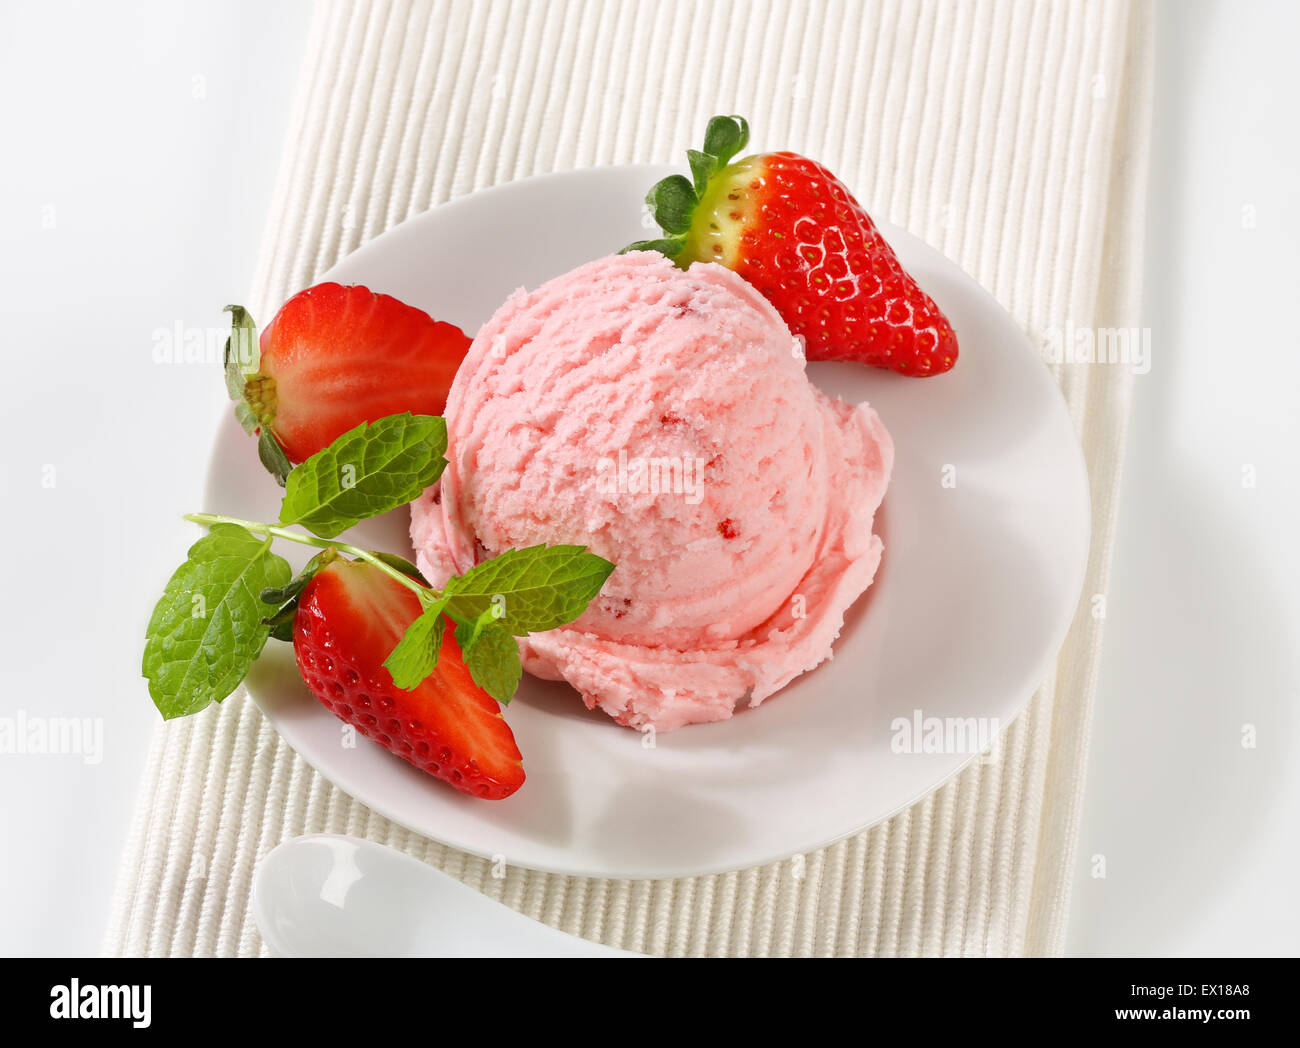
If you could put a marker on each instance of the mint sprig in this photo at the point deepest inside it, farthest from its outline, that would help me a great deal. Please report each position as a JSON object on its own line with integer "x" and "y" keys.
{"x": 368, "y": 471}
{"x": 207, "y": 629}
{"x": 536, "y": 589}
{"x": 232, "y": 593}
{"x": 520, "y": 592}
{"x": 543, "y": 584}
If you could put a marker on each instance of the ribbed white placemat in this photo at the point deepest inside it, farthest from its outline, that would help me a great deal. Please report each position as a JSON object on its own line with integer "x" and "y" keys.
{"x": 1010, "y": 135}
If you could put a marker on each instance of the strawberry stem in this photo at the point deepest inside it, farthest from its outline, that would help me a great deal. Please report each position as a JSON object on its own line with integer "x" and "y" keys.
{"x": 427, "y": 596}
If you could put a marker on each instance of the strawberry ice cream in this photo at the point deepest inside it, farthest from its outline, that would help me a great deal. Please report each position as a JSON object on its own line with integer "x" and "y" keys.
{"x": 663, "y": 419}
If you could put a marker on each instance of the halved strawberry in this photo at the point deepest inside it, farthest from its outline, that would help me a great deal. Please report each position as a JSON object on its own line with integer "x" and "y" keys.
{"x": 335, "y": 356}
{"x": 350, "y": 617}
{"x": 792, "y": 229}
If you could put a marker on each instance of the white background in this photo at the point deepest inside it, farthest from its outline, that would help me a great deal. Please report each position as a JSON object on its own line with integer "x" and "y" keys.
{"x": 141, "y": 145}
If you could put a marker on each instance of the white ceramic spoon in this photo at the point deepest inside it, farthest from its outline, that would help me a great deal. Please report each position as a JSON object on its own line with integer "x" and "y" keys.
{"x": 330, "y": 896}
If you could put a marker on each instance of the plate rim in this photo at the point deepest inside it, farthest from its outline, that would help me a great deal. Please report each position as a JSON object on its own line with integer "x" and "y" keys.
{"x": 1059, "y": 632}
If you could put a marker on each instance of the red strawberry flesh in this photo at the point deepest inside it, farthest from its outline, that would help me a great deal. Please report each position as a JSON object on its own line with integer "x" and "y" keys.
{"x": 349, "y": 619}
{"x": 336, "y": 356}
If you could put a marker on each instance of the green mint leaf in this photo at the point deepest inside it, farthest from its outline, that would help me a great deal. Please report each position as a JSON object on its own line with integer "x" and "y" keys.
{"x": 672, "y": 202}
{"x": 725, "y": 137}
{"x": 273, "y": 457}
{"x": 242, "y": 354}
{"x": 207, "y": 628}
{"x": 369, "y": 470}
{"x": 416, "y": 654}
{"x": 491, "y": 655}
{"x": 537, "y": 589}
{"x": 468, "y": 631}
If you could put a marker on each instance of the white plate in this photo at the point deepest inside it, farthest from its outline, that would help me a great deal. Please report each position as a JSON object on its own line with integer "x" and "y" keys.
{"x": 977, "y": 588}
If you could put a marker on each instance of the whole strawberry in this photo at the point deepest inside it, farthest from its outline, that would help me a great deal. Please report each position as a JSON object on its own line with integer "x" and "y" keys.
{"x": 792, "y": 229}
{"x": 335, "y": 356}
{"x": 350, "y": 617}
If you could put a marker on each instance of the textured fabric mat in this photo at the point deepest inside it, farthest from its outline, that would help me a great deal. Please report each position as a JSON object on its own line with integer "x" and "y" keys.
{"x": 1010, "y": 135}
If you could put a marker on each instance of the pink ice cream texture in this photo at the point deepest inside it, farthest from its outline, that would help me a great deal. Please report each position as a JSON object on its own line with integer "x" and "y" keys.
{"x": 663, "y": 418}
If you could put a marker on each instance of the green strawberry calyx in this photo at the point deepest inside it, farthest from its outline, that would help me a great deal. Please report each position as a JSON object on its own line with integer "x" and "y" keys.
{"x": 253, "y": 393}
{"x": 674, "y": 201}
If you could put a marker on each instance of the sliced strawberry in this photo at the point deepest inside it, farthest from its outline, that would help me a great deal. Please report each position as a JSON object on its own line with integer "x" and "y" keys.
{"x": 350, "y": 617}
{"x": 337, "y": 356}
{"x": 792, "y": 229}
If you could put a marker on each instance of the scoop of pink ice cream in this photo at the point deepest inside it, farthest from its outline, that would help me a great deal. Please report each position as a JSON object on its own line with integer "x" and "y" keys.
{"x": 663, "y": 419}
